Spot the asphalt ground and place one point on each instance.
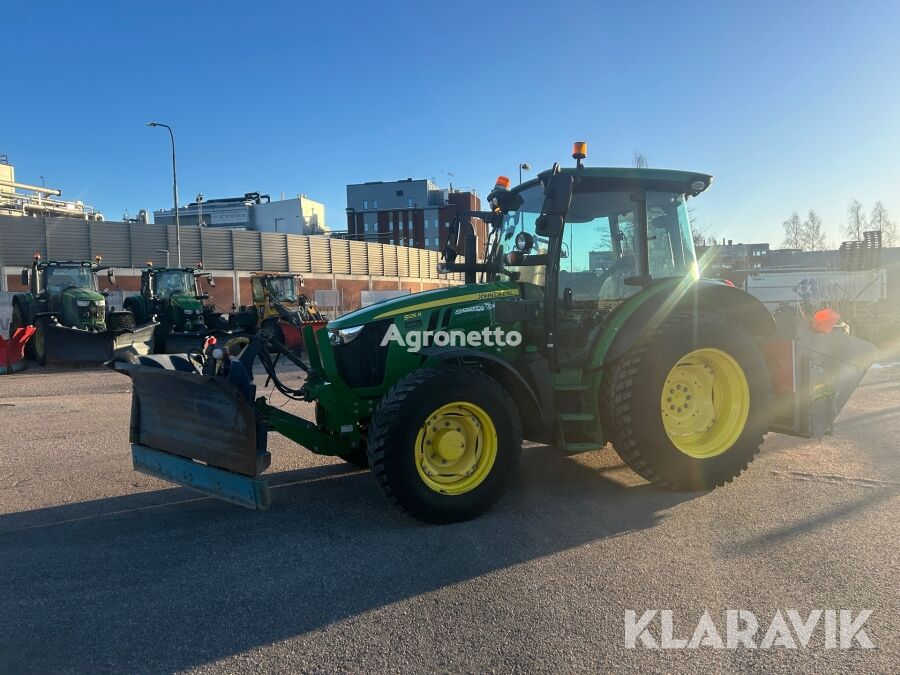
(106, 570)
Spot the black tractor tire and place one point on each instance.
(120, 321)
(406, 409)
(39, 344)
(632, 405)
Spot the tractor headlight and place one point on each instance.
(100, 303)
(83, 303)
(341, 336)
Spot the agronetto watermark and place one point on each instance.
(741, 628)
(415, 340)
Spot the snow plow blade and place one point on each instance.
(65, 345)
(196, 430)
(812, 374)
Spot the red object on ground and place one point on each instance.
(729, 282)
(12, 351)
(825, 319)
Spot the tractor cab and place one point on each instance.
(279, 296)
(623, 230)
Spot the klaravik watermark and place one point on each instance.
(741, 628)
(486, 337)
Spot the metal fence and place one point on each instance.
(131, 245)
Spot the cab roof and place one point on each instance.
(602, 177)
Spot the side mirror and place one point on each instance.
(212, 282)
(111, 276)
(557, 197)
(300, 280)
(26, 276)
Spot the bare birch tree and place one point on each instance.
(793, 231)
(639, 161)
(812, 238)
(856, 220)
(880, 220)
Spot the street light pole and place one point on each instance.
(524, 166)
(174, 191)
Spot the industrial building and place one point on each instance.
(415, 213)
(252, 211)
(37, 200)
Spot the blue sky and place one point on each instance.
(790, 105)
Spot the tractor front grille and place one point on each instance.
(362, 361)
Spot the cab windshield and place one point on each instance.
(282, 289)
(174, 282)
(58, 279)
(601, 241)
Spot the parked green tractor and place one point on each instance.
(70, 313)
(171, 298)
(585, 323)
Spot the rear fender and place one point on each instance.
(630, 321)
(535, 411)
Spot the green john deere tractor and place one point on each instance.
(171, 298)
(584, 323)
(74, 326)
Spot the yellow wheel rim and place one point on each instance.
(456, 448)
(705, 403)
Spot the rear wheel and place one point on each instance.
(687, 406)
(444, 443)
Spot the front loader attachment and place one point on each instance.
(72, 346)
(812, 373)
(196, 430)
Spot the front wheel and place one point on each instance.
(444, 442)
(40, 342)
(687, 406)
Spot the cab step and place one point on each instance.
(571, 387)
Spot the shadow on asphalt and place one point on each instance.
(165, 580)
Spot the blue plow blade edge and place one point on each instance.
(231, 487)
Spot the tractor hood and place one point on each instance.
(454, 295)
(83, 294)
(185, 301)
